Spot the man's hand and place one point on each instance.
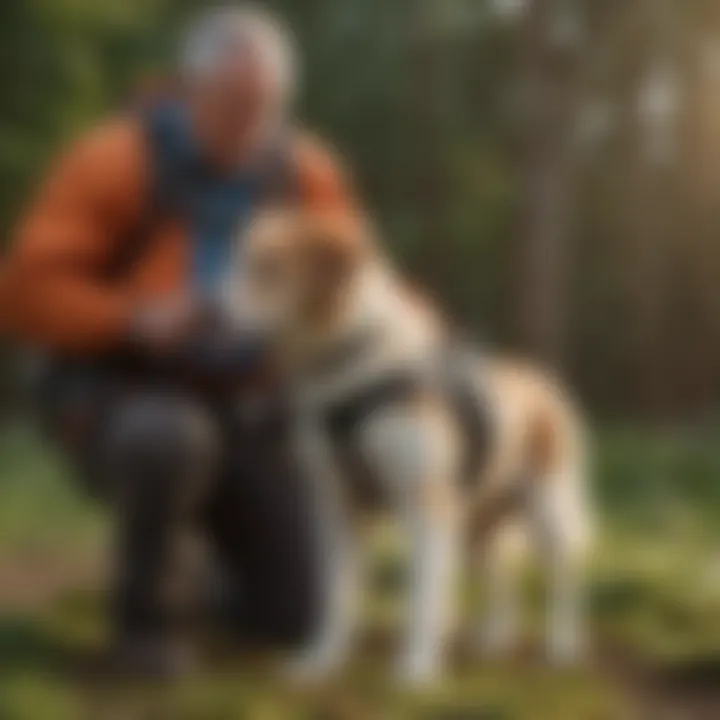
(165, 325)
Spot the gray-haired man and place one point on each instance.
(110, 273)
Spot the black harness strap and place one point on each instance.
(344, 417)
(459, 388)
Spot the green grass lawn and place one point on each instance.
(655, 602)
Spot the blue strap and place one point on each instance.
(216, 206)
(220, 211)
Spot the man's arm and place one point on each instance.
(53, 287)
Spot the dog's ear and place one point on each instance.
(333, 248)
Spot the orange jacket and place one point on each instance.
(53, 289)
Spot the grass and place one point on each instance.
(654, 597)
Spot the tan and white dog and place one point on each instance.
(311, 285)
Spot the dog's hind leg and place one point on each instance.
(560, 528)
(499, 565)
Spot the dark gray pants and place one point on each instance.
(173, 466)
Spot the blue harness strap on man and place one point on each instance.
(216, 206)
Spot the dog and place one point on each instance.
(341, 322)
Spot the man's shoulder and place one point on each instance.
(114, 148)
(105, 167)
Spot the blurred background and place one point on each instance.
(550, 171)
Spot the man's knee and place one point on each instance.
(162, 439)
(286, 619)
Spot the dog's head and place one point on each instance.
(295, 271)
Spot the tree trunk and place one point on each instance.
(550, 76)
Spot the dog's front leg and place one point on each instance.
(339, 561)
(414, 451)
(434, 548)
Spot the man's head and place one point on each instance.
(240, 71)
(295, 273)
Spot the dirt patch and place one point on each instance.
(34, 581)
(686, 688)
(681, 689)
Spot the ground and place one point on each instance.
(654, 597)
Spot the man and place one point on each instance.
(111, 273)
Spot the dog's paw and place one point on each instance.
(418, 670)
(566, 647)
(311, 666)
(495, 640)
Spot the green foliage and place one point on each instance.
(658, 479)
(41, 506)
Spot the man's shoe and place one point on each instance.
(152, 658)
